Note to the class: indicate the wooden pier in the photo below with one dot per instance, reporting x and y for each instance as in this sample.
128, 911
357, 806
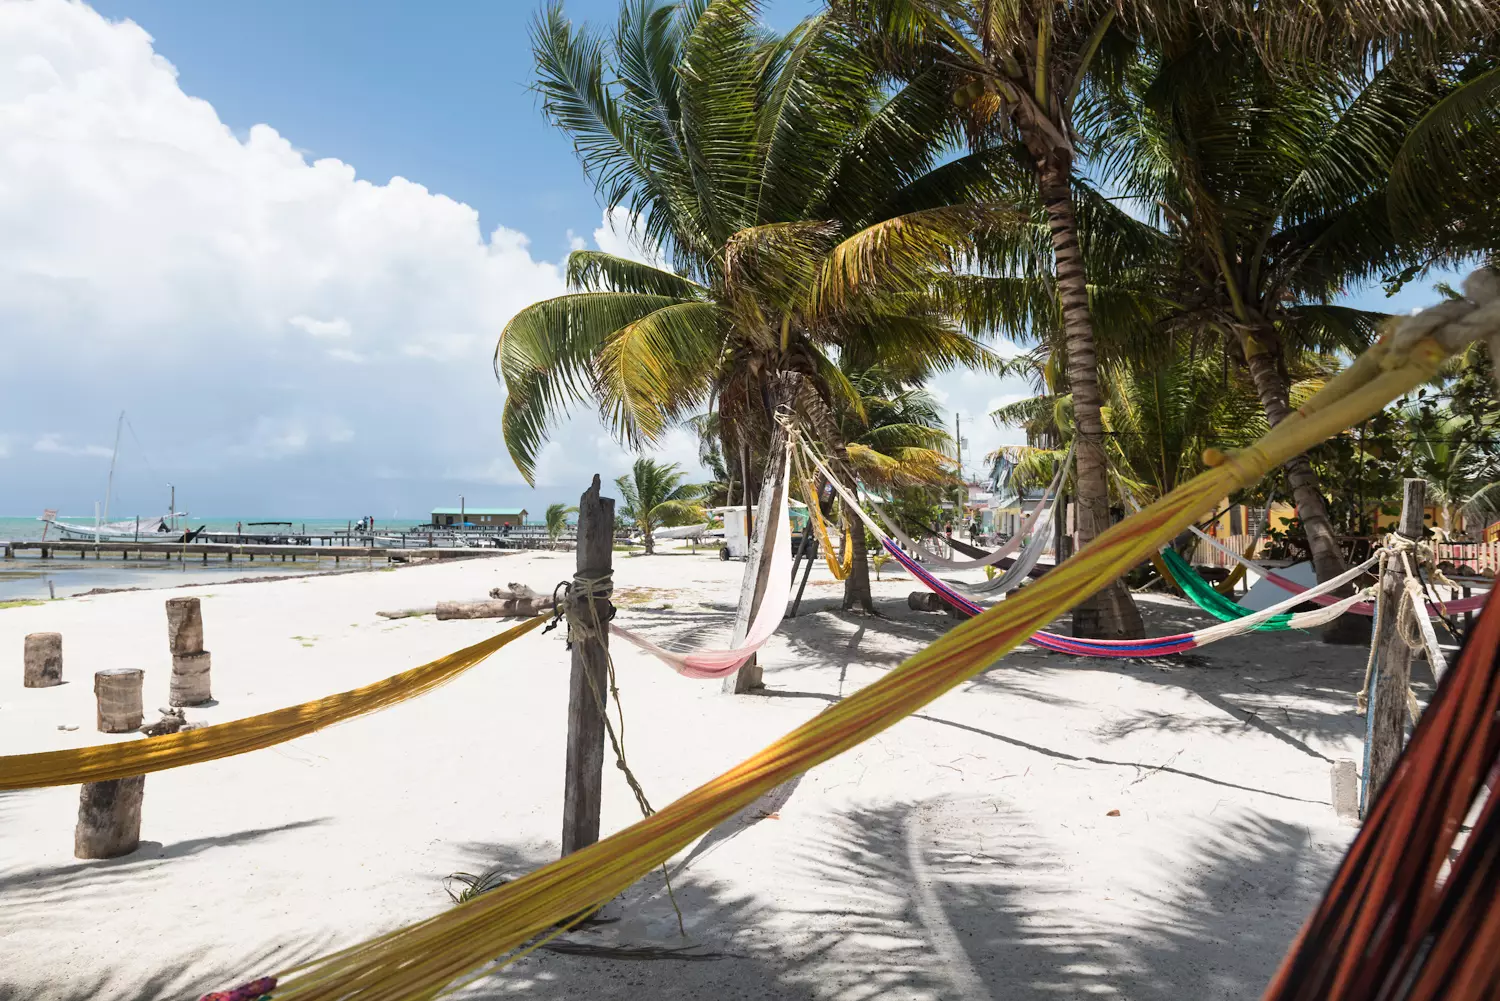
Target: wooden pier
229, 552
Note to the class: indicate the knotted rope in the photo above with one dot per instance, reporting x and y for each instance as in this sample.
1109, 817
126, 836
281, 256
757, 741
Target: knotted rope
580, 607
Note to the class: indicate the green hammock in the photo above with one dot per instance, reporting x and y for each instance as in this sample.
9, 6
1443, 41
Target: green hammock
1201, 593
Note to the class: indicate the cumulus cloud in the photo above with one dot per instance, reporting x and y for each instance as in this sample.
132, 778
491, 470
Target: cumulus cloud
620, 234
218, 286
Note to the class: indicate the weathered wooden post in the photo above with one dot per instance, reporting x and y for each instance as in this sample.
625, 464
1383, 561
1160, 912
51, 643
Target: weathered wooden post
43, 660
109, 813
758, 567
1386, 728
190, 662
118, 691
588, 681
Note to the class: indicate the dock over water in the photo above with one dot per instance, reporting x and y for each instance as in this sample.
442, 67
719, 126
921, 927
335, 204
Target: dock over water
229, 552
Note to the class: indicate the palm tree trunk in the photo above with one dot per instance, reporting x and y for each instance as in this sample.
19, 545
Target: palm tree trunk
1327, 559
1110, 614
1312, 509
647, 539
857, 584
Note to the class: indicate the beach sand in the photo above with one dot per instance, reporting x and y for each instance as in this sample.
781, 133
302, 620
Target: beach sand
967, 852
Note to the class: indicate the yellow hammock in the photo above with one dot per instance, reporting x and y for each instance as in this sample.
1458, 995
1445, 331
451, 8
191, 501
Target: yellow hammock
840, 570
99, 762
455, 946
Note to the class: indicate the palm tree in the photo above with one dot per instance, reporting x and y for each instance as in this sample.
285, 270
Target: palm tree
1033, 70
804, 207
793, 196
654, 494
895, 439
1280, 192
557, 519
1021, 68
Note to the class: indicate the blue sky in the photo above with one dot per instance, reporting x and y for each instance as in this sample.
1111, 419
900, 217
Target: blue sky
283, 236
436, 92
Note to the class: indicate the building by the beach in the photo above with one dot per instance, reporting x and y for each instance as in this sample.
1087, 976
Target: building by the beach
485, 517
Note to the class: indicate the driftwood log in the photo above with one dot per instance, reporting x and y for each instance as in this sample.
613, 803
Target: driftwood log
495, 608
43, 660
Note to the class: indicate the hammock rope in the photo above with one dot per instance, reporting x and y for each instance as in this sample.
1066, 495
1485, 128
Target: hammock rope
839, 568
102, 762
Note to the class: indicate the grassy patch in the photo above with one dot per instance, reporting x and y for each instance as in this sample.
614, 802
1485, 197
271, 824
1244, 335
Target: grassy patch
21, 603
305, 640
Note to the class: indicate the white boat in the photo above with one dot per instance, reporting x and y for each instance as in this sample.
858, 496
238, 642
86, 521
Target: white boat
163, 529
144, 530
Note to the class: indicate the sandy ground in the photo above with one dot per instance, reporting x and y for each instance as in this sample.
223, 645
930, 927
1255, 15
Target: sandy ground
967, 852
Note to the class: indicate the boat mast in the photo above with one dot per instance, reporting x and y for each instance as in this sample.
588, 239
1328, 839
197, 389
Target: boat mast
110, 488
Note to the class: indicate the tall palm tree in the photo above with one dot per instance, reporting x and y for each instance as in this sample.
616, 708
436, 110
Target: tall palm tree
804, 206
1033, 68
557, 519
1021, 69
795, 199
654, 494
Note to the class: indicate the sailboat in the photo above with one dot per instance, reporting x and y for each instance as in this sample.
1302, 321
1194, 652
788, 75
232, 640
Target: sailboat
154, 529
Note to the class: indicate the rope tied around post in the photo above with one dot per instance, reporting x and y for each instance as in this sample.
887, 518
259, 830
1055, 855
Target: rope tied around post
579, 606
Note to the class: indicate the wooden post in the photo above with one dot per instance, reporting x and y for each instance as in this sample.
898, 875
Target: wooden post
758, 566
43, 660
109, 818
588, 682
190, 685
1387, 709
118, 690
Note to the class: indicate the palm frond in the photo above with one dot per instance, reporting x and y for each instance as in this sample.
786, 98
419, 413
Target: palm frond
659, 368
596, 271
546, 359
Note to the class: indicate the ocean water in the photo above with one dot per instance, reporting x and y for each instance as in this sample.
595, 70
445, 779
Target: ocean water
28, 577
29, 528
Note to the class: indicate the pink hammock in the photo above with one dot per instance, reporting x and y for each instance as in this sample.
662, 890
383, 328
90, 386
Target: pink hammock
719, 663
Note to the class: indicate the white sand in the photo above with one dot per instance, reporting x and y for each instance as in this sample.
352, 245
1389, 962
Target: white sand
964, 853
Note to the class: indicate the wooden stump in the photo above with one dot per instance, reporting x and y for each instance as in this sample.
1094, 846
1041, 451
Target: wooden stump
925, 601
109, 818
43, 660
119, 693
190, 679
184, 625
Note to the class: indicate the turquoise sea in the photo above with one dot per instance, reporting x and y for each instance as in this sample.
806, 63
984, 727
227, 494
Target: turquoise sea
28, 577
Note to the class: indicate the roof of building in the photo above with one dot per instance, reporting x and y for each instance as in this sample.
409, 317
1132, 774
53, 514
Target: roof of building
515, 511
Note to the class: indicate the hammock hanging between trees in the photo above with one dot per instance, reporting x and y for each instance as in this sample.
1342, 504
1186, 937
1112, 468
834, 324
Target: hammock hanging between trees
707, 664
1159, 645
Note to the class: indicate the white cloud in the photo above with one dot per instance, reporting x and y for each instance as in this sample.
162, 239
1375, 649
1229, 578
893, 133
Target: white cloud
619, 233
216, 287
337, 327
54, 444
